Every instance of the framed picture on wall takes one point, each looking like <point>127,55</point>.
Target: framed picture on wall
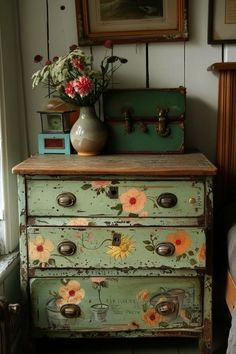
<point>222,21</point>
<point>131,21</point>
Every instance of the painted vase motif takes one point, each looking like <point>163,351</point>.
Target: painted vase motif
<point>88,135</point>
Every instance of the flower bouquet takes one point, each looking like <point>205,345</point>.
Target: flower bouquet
<point>73,78</point>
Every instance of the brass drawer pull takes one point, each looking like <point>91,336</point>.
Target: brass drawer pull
<point>66,248</point>
<point>167,200</point>
<point>70,311</point>
<point>165,249</point>
<point>66,199</point>
<point>166,308</point>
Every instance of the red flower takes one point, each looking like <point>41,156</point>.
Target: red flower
<point>38,58</point>
<point>77,64</point>
<point>108,44</point>
<point>48,62</point>
<point>69,89</point>
<point>83,86</point>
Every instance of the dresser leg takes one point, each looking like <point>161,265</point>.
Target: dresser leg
<point>205,347</point>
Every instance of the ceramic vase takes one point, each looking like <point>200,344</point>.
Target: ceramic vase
<point>88,135</point>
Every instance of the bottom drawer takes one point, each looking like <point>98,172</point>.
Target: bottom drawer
<point>116,303</point>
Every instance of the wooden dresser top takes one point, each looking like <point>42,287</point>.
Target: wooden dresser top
<point>149,165</point>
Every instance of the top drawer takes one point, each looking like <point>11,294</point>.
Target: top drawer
<point>100,198</point>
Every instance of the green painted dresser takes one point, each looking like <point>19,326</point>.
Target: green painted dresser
<point>117,245</point>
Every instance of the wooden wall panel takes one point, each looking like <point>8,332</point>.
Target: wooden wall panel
<point>62,26</point>
<point>33,30</point>
<point>166,65</point>
<point>170,65</point>
<point>202,86</point>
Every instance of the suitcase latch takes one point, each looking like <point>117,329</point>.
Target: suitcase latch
<point>128,120</point>
<point>162,124</point>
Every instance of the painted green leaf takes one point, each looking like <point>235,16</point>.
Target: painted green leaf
<point>147,242</point>
<point>51,261</point>
<point>193,261</point>
<point>150,248</point>
<point>86,186</point>
<point>163,324</point>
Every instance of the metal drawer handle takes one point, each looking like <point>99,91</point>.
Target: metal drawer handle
<point>70,311</point>
<point>165,249</point>
<point>66,248</point>
<point>66,199</point>
<point>166,308</point>
<point>167,200</point>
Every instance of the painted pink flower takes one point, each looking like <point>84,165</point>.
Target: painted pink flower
<point>69,89</point>
<point>133,200</point>
<point>83,86</point>
<point>98,280</point>
<point>99,184</point>
<point>76,63</point>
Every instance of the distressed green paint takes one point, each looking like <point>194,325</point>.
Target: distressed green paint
<point>117,221</point>
<point>137,248</point>
<point>132,273</point>
<point>174,100</point>
<point>91,195</point>
<point>128,303</point>
<point>149,141</point>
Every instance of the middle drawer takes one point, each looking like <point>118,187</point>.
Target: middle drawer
<point>101,247</point>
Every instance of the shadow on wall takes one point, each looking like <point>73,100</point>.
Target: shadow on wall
<point>201,127</point>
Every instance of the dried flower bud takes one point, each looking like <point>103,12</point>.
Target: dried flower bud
<point>108,44</point>
<point>123,60</point>
<point>48,62</point>
<point>38,58</point>
<point>55,59</point>
<point>73,47</point>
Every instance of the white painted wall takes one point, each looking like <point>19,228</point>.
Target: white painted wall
<point>171,65</point>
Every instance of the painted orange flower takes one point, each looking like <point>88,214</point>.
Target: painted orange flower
<point>123,250</point>
<point>151,317</point>
<point>202,254</point>
<point>133,200</point>
<point>143,295</point>
<point>40,249</point>
<point>181,241</point>
<point>71,293</point>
